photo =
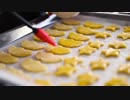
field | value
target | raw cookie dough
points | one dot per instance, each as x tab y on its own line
99	64
62	27
86	79
78	37
48	57
31	45
58	50
37	39
2	66
127	29
124	35
93	25
19	52
112	28
65	70
70	43
31	65
124	68
117	81
86	30
103	35
128	58
95	44
71	22
111	52
41	82
68	84
7	58
87	50
117	45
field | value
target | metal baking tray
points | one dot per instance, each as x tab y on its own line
104	75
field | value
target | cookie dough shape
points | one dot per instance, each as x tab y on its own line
112	28
99	64
7	58
124	68
62	27
31	45
86	79
86	30
128	58
87	50
41	82
118	45
95	44
38	40
93	25
2	66
124	35
48	57
19	52
73	61
59	50
31	65
71	22
103	35
127	29
68	84
111	52
70	43
78	37
117	81
65	70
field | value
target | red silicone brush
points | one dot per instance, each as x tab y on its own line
40	33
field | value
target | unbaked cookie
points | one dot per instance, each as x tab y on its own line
31	65
95	44
69	43
78	37
103	35
112	28
62	27
71	22
93	25
58	50
99	64
86	79
19	52
48	57
124	35
39	40
124	68
111	52
2	66
127	29
87	50
86	30
128	58
7	58
117	45
41	82
68	84
31	45
117	81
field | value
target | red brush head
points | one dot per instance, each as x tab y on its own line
41	34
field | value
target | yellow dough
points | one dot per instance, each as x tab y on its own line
86	30
72	61
78	37
58	50
70	43
86	79
31	65
118	45
37	39
99	64
111	52
103	35
48	57
117	81
62	27
2	66
124	35
124	68
7	58
65	70
128	58
68	84
41	82
19	52
95	44
87	50
112	28
55	33
18	72
31	45
127	29
71	22
93	25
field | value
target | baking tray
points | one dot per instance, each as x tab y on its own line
104	75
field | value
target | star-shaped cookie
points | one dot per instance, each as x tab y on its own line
112	28
103	35
117	45
124	35
95	44
124	68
